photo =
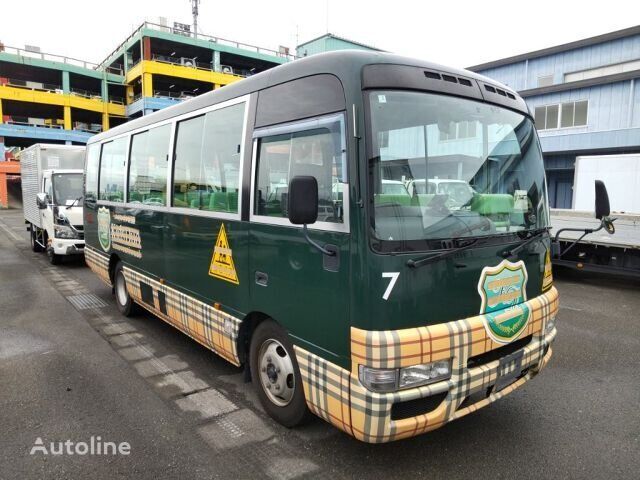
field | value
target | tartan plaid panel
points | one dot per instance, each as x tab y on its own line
326	388
462	338
212	328
98	263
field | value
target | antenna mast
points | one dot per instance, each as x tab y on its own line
194	11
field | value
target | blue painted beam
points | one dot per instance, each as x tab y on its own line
40	133
628	138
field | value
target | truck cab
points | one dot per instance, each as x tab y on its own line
60	207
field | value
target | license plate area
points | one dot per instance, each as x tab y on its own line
509	369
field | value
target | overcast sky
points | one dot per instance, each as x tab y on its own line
457	33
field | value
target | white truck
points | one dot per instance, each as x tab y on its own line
52	186
599	249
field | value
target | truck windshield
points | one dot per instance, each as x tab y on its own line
470	169
67	187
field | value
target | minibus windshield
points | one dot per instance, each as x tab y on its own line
470	169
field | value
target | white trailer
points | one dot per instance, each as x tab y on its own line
52	185
600	250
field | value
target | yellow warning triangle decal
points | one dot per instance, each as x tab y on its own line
222	266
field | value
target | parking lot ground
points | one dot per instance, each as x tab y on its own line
71	367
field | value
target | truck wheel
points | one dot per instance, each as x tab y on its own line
125	303
276	376
35	246
54	259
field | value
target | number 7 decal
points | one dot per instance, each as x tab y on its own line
394	278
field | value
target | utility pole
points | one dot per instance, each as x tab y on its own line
194	11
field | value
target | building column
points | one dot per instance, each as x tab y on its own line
66	83
104	90
216	61
146	48
105	121
1	115
147	85
4	194
67	117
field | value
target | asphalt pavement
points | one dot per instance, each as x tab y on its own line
71	368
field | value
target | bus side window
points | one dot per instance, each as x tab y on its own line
93	164
317	152
148	166
207	160
112	165
188	181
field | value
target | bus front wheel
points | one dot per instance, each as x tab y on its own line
276	376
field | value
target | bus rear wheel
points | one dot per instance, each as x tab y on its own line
276	376
125	303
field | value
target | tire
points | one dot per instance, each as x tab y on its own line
54	259
125	303
35	246
273	363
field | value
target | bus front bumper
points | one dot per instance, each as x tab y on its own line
338	396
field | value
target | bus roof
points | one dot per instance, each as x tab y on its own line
345	65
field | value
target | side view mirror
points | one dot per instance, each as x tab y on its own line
42	200
303	208
303	200
602	200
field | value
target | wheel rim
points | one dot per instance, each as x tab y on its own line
121	289
276	372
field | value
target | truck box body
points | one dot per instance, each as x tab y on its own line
621	175
38	158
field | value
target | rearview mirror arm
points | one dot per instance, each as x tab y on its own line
314	244
586	231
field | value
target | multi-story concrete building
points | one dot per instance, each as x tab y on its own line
55	99
585	96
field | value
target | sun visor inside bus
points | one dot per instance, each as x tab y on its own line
301	98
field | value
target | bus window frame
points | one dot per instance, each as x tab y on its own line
295	127
125	184
168	208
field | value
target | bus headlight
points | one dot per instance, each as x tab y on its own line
389	380
65	231
423	374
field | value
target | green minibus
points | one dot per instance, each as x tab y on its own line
278	221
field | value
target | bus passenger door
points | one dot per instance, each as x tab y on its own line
291	281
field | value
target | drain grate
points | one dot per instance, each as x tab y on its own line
86	301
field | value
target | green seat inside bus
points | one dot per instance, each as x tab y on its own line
388	198
223	202
497	206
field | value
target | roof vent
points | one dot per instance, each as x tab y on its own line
449	78
464	81
501	92
489	88
433	75
511	96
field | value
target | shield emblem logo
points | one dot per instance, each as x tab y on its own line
104	228
503	292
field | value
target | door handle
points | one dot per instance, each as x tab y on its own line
262	279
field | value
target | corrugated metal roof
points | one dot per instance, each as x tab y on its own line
331	35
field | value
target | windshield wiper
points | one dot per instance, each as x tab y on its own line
438	256
74	202
511	252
